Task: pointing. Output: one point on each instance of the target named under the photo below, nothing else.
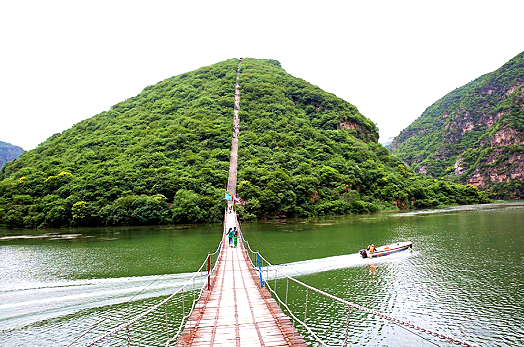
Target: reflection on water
(462, 278)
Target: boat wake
(42, 301)
(308, 267)
(31, 303)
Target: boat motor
(363, 253)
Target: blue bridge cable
(260, 271)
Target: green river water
(463, 278)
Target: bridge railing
(268, 278)
(194, 286)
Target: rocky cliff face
(8, 152)
(473, 135)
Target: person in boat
(371, 248)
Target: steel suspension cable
(155, 307)
(404, 324)
(107, 317)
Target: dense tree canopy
(163, 157)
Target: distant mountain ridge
(473, 135)
(8, 152)
(388, 142)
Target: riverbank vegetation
(163, 157)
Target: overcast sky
(65, 61)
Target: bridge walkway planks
(236, 312)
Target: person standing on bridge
(235, 236)
(230, 236)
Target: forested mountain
(163, 156)
(475, 134)
(8, 152)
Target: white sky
(65, 61)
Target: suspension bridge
(232, 299)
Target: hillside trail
(232, 180)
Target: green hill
(475, 134)
(8, 152)
(163, 156)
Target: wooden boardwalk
(237, 312)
